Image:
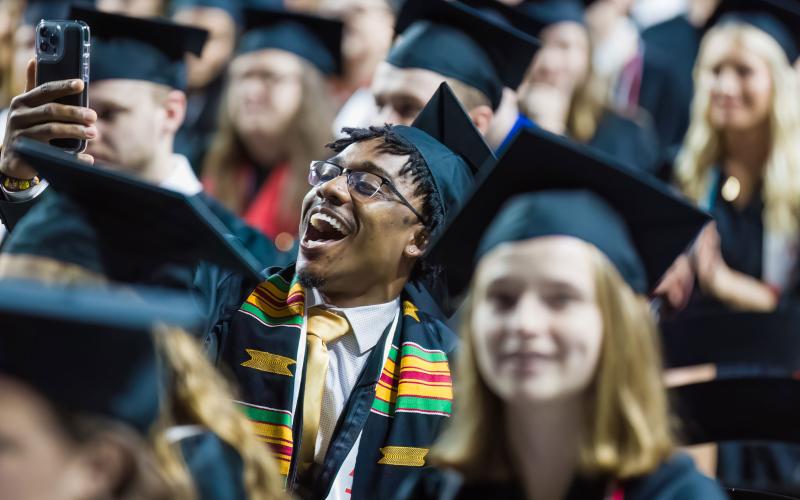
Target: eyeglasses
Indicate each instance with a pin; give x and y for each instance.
(364, 185)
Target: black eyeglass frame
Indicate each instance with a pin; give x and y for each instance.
(384, 182)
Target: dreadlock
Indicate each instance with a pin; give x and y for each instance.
(416, 167)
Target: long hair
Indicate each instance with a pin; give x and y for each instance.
(588, 103)
(626, 428)
(142, 477)
(304, 141)
(703, 148)
(197, 394)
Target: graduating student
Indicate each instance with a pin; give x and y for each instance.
(206, 71)
(119, 413)
(309, 344)
(559, 356)
(276, 116)
(740, 159)
(136, 108)
(561, 94)
(641, 77)
(477, 55)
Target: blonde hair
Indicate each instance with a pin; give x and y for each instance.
(198, 394)
(587, 107)
(702, 147)
(626, 429)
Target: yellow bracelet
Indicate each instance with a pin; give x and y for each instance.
(15, 185)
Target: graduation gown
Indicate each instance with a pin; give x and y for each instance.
(395, 412)
(215, 467)
(627, 141)
(680, 41)
(663, 96)
(676, 479)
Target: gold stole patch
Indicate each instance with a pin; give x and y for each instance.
(403, 455)
(268, 362)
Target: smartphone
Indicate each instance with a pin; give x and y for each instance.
(62, 53)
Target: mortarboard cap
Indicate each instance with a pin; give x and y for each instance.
(739, 409)
(459, 42)
(452, 147)
(636, 221)
(769, 340)
(316, 39)
(134, 221)
(532, 16)
(36, 10)
(133, 48)
(778, 18)
(232, 7)
(89, 350)
(455, 152)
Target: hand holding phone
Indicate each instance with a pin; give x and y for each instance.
(47, 112)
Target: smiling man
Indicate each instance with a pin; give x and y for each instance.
(342, 373)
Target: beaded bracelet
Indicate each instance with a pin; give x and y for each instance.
(14, 185)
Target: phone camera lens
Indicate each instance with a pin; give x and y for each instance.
(43, 31)
(44, 46)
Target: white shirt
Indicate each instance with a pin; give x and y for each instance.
(182, 178)
(347, 359)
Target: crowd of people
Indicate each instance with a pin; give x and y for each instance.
(402, 249)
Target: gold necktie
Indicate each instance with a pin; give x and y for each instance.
(323, 327)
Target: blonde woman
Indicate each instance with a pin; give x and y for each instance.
(277, 115)
(741, 161)
(559, 393)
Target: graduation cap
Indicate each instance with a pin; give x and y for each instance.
(452, 147)
(316, 39)
(232, 7)
(133, 48)
(729, 338)
(636, 221)
(739, 409)
(89, 350)
(132, 221)
(778, 18)
(455, 153)
(533, 16)
(36, 10)
(459, 42)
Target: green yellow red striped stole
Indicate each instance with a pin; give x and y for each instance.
(276, 302)
(415, 378)
(273, 427)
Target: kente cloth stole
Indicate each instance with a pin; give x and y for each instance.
(413, 395)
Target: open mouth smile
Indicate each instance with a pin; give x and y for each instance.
(324, 228)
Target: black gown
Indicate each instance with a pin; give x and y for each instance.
(663, 95)
(627, 141)
(676, 479)
(764, 466)
(680, 41)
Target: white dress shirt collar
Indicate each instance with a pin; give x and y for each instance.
(368, 322)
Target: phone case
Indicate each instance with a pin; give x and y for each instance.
(62, 53)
